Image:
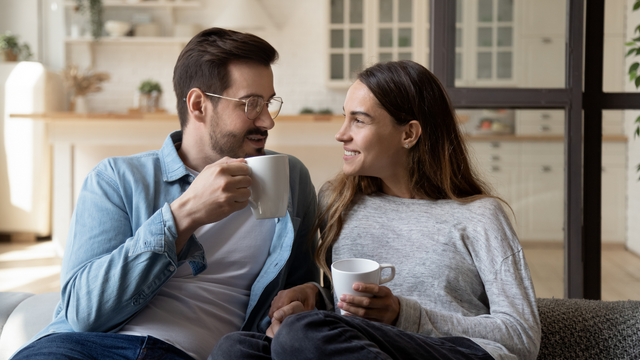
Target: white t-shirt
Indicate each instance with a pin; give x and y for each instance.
(194, 312)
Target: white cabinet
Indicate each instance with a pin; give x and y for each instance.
(541, 200)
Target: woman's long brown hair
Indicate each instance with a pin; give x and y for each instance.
(439, 166)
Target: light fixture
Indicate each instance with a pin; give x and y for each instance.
(245, 15)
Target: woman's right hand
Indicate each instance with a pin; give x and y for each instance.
(306, 294)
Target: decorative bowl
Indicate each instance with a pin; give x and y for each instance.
(117, 28)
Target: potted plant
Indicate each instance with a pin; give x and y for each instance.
(94, 7)
(12, 50)
(150, 92)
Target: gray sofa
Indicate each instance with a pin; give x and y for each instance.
(571, 329)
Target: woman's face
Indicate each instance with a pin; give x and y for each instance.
(373, 142)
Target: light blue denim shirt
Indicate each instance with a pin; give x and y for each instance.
(121, 245)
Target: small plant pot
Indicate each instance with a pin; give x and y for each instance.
(149, 102)
(9, 55)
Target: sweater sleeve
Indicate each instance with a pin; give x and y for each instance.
(512, 322)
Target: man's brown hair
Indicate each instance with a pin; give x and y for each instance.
(203, 63)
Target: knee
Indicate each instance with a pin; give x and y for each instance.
(299, 335)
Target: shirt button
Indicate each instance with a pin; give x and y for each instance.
(171, 268)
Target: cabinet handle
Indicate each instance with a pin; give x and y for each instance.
(494, 168)
(545, 116)
(546, 40)
(604, 169)
(495, 157)
(545, 128)
(545, 169)
(494, 144)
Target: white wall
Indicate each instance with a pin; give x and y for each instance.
(300, 37)
(21, 18)
(633, 185)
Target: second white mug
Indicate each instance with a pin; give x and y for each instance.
(347, 272)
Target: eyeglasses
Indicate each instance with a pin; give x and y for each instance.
(253, 105)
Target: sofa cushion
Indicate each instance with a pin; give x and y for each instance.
(33, 314)
(9, 301)
(589, 329)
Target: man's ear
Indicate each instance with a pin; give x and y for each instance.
(196, 104)
(411, 134)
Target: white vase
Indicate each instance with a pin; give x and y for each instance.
(81, 106)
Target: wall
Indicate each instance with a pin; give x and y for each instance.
(633, 155)
(300, 38)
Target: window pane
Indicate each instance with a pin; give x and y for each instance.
(355, 64)
(337, 11)
(386, 38)
(484, 65)
(386, 11)
(505, 66)
(534, 32)
(485, 37)
(525, 167)
(458, 11)
(355, 38)
(619, 201)
(404, 12)
(619, 24)
(505, 10)
(337, 66)
(404, 56)
(337, 38)
(485, 10)
(355, 12)
(404, 37)
(505, 36)
(384, 57)
(458, 66)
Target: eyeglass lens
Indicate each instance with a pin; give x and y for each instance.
(255, 104)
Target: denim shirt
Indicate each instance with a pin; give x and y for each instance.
(121, 245)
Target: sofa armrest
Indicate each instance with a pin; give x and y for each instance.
(589, 329)
(30, 314)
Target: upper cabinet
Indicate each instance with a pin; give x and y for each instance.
(363, 32)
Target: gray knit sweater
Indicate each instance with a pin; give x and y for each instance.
(460, 270)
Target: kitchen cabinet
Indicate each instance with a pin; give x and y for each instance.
(529, 175)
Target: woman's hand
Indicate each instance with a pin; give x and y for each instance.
(293, 308)
(383, 307)
(306, 294)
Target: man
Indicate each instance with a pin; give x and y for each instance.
(164, 256)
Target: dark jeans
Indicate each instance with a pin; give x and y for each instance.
(99, 346)
(327, 335)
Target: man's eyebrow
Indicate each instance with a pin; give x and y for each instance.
(254, 94)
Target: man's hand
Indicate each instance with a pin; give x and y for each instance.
(220, 190)
(305, 294)
(293, 308)
(383, 307)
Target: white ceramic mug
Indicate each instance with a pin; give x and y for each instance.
(270, 185)
(347, 272)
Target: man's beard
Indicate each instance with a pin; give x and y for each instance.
(231, 144)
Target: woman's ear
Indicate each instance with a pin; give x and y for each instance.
(196, 103)
(412, 132)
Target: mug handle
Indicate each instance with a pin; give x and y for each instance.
(390, 277)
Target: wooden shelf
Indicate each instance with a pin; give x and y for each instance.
(122, 3)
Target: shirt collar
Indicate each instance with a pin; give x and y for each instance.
(172, 166)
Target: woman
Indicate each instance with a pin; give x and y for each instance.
(407, 196)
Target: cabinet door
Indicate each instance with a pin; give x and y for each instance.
(541, 203)
(543, 62)
(544, 17)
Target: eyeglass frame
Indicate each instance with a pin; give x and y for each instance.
(246, 104)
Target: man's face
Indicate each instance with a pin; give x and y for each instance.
(231, 133)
